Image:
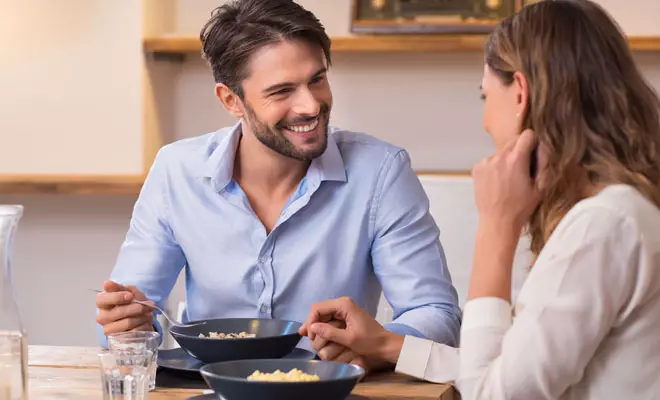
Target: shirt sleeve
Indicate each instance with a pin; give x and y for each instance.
(576, 291)
(150, 257)
(408, 257)
(429, 361)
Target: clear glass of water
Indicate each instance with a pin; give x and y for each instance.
(125, 375)
(138, 342)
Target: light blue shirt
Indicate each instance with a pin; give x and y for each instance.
(359, 221)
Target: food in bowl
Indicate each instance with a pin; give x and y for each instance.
(220, 335)
(295, 375)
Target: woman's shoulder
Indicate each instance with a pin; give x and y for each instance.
(617, 213)
(615, 203)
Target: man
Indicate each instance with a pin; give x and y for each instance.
(280, 211)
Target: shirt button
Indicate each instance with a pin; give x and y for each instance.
(264, 309)
(264, 260)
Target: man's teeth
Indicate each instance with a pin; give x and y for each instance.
(303, 128)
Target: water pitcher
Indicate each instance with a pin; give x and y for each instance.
(13, 340)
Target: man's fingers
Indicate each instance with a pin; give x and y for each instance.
(313, 318)
(118, 313)
(127, 324)
(332, 334)
(112, 299)
(144, 328)
(318, 342)
(345, 356)
(137, 293)
(112, 286)
(324, 312)
(337, 323)
(302, 331)
(331, 351)
(319, 318)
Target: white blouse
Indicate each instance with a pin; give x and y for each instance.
(586, 323)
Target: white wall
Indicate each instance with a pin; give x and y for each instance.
(71, 100)
(66, 244)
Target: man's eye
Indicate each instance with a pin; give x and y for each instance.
(282, 91)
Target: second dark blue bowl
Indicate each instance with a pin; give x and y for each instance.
(229, 380)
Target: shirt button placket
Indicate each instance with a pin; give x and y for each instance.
(265, 263)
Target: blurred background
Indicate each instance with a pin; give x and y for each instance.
(84, 107)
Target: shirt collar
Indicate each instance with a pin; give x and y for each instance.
(219, 167)
(330, 165)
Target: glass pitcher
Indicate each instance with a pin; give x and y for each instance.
(13, 340)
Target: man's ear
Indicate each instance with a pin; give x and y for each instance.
(230, 100)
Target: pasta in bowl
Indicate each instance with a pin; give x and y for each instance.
(295, 375)
(271, 379)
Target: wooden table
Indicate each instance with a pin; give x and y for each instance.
(71, 373)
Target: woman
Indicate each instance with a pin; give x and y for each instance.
(587, 319)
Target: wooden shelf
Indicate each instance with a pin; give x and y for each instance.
(71, 184)
(111, 184)
(377, 43)
(172, 44)
(645, 43)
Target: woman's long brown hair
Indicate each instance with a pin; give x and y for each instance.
(589, 104)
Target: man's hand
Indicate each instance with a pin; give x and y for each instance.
(362, 334)
(118, 314)
(330, 351)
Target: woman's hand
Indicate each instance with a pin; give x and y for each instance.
(505, 192)
(506, 196)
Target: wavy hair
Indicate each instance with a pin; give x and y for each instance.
(589, 104)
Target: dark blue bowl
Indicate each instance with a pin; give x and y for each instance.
(229, 380)
(274, 339)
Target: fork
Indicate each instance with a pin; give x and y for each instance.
(170, 319)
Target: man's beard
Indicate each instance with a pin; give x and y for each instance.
(276, 140)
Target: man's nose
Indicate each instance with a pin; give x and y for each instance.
(306, 104)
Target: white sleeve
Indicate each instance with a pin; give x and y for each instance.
(575, 292)
(427, 360)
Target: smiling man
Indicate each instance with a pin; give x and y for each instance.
(280, 211)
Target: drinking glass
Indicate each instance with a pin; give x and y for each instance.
(125, 374)
(138, 341)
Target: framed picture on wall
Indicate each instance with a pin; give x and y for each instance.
(431, 16)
